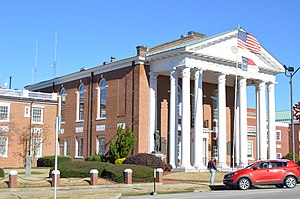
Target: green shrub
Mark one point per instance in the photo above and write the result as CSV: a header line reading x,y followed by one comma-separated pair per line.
x,y
122,146
145,159
95,157
1,172
114,172
49,161
290,156
89,158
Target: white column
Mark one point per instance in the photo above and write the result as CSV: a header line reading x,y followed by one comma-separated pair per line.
x,y
198,120
243,121
257,124
186,119
222,146
271,122
262,121
237,156
173,119
153,109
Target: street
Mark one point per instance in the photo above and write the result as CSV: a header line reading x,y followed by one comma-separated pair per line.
x,y
254,193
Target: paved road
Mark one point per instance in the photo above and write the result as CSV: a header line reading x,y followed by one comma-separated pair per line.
x,y
255,193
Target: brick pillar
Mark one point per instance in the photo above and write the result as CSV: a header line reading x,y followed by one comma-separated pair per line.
x,y
94,177
13,174
57,172
159,175
128,176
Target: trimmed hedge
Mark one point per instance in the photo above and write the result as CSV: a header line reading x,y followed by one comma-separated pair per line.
x,y
1,172
145,159
49,161
114,172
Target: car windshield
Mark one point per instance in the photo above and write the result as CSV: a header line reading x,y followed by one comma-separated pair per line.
x,y
250,165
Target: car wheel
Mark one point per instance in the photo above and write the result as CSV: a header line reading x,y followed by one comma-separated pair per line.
x,y
290,182
279,185
244,183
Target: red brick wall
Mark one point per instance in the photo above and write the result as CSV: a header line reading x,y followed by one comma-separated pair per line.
x,y
19,124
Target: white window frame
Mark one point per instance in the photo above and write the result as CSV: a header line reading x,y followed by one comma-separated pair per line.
x,y
41,116
77,145
278,154
63,94
5,154
279,132
251,148
39,147
78,92
299,136
27,111
37,130
99,89
98,144
8,111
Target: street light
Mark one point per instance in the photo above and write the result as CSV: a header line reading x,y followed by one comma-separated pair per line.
x,y
291,72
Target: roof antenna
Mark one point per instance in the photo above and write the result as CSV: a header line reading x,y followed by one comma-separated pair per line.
x,y
35,63
53,65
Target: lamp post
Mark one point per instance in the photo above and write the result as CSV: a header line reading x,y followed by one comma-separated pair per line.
x,y
291,72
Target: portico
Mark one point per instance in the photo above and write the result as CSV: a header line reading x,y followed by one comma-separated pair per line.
x,y
204,82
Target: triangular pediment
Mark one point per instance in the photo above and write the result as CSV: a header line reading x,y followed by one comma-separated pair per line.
x,y
224,46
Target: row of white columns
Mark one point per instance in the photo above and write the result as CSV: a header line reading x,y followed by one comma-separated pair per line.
x,y
241,128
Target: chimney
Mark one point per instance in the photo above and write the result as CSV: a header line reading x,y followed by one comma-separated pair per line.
x,y
141,50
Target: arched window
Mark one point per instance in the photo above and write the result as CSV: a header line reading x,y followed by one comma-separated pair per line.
x,y
102,99
63,94
80,102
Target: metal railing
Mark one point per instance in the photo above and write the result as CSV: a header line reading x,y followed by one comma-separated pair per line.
x,y
28,94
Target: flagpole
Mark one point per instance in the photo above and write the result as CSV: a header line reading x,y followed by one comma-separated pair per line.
x,y
235,103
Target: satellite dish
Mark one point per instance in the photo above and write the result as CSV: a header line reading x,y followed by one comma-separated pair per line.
x,y
234,49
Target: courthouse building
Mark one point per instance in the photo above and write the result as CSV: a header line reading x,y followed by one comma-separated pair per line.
x,y
186,90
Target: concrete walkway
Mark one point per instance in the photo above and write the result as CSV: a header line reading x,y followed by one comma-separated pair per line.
x,y
101,191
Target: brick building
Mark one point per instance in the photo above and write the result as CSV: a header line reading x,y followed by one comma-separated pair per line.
x,y
282,137
185,90
27,126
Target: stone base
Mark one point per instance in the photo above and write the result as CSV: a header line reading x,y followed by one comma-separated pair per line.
x,y
185,169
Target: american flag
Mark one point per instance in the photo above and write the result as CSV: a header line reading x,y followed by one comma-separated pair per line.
x,y
248,41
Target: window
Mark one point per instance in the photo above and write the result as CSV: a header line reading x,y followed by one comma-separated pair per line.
x,y
36,146
250,149
3,146
80,102
299,135
63,94
37,115
278,135
65,146
278,155
79,147
4,112
215,149
102,99
265,165
27,111
101,145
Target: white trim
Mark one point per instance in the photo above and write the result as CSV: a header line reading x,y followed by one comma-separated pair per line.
x,y
27,111
6,147
76,149
252,156
278,131
8,111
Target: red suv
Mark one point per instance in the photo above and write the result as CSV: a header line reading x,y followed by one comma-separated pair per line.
x,y
268,172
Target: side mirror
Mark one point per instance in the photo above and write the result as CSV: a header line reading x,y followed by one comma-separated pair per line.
x,y
254,167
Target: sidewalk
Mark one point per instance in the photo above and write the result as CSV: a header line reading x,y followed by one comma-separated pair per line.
x,y
101,191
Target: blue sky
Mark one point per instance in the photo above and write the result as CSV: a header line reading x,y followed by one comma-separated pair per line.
x,y
90,32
